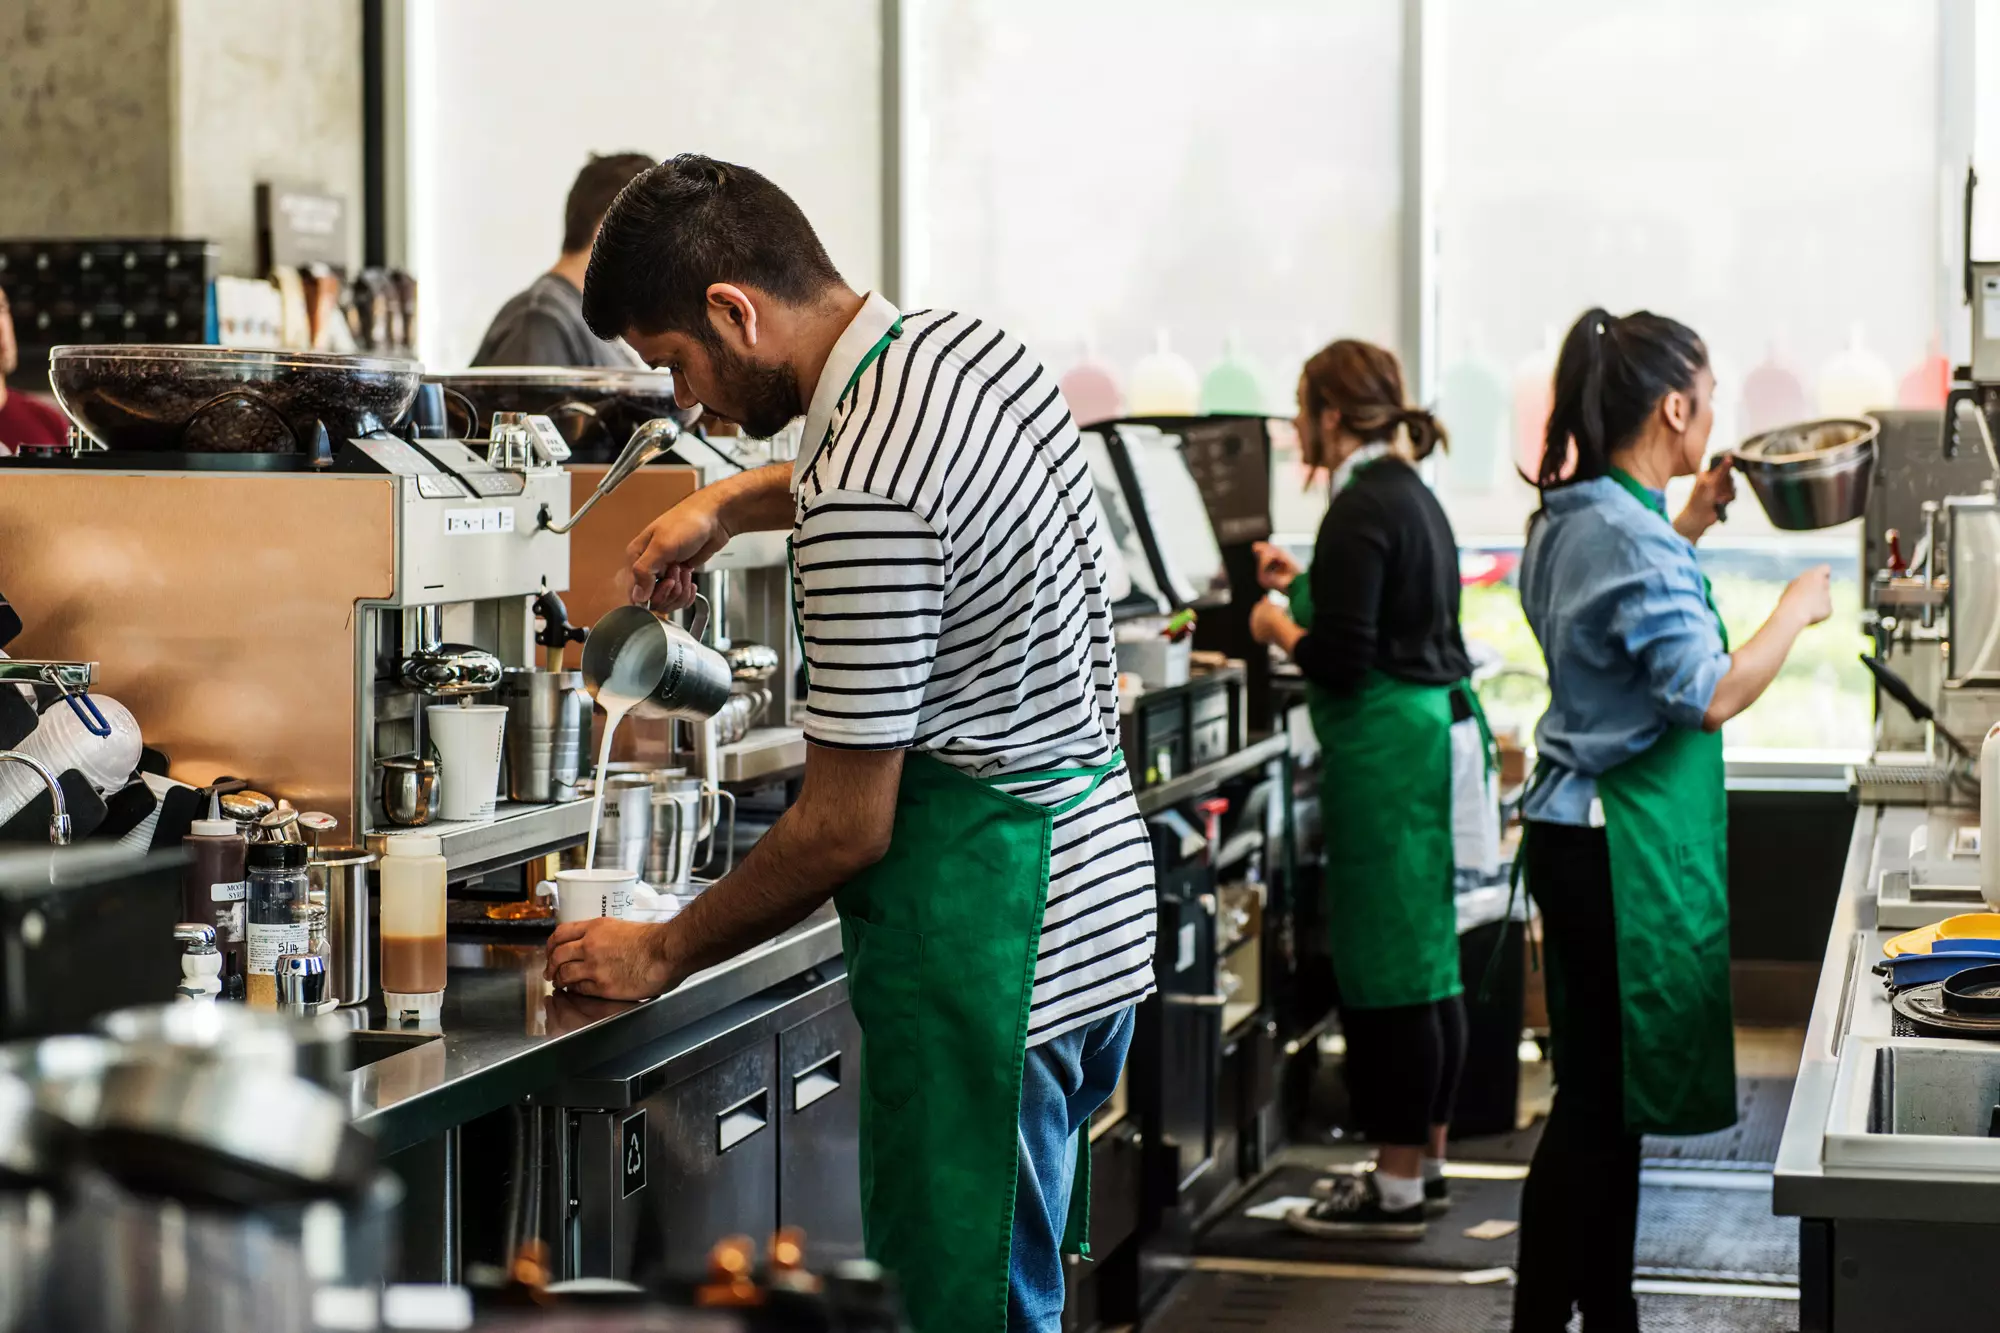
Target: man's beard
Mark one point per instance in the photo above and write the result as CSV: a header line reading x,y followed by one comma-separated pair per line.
x,y
767,397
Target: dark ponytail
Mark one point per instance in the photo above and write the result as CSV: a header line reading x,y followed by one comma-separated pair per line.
x,y
1612,371
1427,434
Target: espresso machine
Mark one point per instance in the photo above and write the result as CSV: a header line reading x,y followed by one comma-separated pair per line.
x,y
279,586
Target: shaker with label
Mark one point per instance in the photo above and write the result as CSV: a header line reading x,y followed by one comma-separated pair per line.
x,y
413,926
278,920
214,888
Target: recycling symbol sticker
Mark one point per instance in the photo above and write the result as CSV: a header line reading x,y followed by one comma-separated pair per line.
x,y
632,1153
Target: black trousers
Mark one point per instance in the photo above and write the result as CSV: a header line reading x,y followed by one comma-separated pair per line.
x,y
1403,1064
1580,1207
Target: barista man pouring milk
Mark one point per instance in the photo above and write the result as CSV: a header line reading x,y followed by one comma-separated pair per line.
x,y
964,802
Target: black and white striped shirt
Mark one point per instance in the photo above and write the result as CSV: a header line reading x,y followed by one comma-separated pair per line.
x,y
949,572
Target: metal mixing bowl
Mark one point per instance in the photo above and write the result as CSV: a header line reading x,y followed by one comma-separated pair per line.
x,y
1814,474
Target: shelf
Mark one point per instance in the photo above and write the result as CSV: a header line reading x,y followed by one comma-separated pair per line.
x,y
516,833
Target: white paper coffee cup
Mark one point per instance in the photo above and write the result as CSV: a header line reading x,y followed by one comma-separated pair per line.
x,y
468,740
585,895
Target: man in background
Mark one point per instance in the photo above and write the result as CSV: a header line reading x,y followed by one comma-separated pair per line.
x,y
543,326
24,420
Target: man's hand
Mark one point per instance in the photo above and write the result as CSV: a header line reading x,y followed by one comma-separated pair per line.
x,y
613,959
666,555
673,546
1712,490
839,826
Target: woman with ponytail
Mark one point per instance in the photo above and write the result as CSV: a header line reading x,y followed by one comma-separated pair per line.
x,y
1626,846
1374,629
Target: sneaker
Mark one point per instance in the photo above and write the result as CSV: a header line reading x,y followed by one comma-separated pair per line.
x,y
1352,1210
1437,1193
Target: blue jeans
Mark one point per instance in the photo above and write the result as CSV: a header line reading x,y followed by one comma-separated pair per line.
x,y
1062,1083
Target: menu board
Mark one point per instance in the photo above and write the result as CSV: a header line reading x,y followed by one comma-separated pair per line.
x,y
1229,459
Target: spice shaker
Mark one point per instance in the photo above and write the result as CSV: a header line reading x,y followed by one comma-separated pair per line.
x,y
201,963
277,921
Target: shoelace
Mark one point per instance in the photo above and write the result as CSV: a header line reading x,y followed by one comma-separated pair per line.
x,y
1350,1194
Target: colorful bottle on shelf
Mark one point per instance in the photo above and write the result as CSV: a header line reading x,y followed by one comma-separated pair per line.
x,y
1854,381
1091,390
1235,384
1164,383
1928,383
1774,395
1534,399
1472,402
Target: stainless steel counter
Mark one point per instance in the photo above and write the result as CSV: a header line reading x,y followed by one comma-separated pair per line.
x,y
504,1038
1851,1010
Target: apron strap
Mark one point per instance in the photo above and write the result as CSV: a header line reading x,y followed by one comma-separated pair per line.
x,y
1096,773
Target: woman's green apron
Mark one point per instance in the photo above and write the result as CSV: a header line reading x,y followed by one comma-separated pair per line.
x,y
1385,816
1666,820
940,938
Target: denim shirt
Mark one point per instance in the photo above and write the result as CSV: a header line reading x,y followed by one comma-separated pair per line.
x,y
1616,598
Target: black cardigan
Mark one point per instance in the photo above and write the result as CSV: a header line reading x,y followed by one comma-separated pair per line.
x,y
1384,586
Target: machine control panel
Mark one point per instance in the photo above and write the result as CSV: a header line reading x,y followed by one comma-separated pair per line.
x,y
1986,323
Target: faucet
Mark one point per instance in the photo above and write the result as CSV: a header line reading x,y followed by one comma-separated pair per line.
x,y
648,442
59,818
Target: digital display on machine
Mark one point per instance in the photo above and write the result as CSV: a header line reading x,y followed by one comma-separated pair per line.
x,y
1186,556
1128,573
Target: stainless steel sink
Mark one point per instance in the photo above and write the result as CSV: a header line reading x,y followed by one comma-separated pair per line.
x,y
365,1048
1915,1104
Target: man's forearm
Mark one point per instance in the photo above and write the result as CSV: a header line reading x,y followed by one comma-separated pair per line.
x,y
759,500
783,879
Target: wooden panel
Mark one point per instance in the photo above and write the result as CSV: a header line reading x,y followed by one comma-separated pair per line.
x,y
220,608
597,562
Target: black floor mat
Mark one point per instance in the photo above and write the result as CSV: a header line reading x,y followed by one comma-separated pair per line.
x,y
1517,1148
1750,1144
1689,1231
1685,1231
1447,1246
1250,1303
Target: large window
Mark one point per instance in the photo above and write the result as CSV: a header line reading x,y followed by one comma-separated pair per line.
x,y
1630,154
1782,177
1102,174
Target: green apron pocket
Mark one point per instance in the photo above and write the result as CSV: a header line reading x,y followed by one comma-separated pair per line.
x,y
885,982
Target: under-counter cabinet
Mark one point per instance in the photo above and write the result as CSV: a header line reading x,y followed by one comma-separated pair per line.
x,y
743,1123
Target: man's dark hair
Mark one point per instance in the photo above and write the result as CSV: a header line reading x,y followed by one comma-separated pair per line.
x,y
596,186
690,222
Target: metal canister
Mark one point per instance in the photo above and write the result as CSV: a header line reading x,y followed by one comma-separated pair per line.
x,y
341,874
547,712
626,834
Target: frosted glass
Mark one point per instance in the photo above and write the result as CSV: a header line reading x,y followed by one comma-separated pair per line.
x,y
1631,154
1096,173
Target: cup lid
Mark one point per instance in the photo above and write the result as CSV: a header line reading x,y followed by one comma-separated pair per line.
x,y
412,844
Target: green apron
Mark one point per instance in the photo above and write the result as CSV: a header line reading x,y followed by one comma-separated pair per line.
x,y
1385,816
1666,820
940,938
